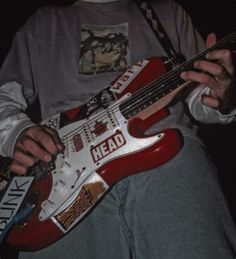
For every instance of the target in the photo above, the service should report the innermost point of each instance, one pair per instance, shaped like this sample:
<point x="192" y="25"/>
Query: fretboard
<point x="170" y="81"/>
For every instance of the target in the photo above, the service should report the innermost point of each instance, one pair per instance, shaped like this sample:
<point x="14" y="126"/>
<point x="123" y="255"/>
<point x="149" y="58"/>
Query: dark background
<point x="208" y="15"/>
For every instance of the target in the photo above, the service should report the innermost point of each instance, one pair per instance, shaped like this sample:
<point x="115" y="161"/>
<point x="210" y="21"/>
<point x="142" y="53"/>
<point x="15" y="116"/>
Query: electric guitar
<point x="104" y="141"/>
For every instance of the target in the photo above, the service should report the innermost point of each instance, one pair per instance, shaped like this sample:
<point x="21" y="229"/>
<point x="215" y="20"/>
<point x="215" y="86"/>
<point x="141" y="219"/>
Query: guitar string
<point x="136" y="97"/>
<point x="137" y="102"/>
<point x="166" y="78"/>
<point x="175" y="72"/>
<point x="165" y="82"/>
<point x="169" y="76"/>
<point x="182" y="66"/>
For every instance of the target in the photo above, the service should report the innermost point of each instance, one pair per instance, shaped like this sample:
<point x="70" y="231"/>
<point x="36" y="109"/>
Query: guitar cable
<point x="20" y="216"/>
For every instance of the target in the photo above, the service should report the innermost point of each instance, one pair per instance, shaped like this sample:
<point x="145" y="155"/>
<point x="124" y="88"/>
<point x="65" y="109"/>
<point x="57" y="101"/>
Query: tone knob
<point x="60" y="186"/>
<point x="66" y="168"/>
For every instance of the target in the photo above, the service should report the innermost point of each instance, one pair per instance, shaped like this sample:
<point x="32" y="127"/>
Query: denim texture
<point x="176" y="211"/>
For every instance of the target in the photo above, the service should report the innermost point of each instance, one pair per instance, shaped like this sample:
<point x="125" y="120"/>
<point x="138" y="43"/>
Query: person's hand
<point x="34" y="144"/>
<point x="218" y="74"/>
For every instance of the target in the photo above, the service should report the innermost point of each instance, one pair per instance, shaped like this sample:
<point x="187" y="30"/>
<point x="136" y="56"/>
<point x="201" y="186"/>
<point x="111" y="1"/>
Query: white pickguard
<point x="79" y="162"/>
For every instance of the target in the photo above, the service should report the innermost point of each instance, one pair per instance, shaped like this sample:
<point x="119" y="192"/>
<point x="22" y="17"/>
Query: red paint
<point x="72" y="113"/>
<point x="36" y="235"/>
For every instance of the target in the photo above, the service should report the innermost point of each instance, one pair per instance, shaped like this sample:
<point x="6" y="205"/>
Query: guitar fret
<point x="169" y="82"/>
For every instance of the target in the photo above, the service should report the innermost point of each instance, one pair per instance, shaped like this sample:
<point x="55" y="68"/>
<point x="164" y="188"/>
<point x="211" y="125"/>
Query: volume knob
<point x="66" y="168"/>
<point x="60" y="186"/>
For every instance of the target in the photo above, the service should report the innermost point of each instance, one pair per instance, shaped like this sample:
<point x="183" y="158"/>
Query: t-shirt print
<point x="104" y="48"/>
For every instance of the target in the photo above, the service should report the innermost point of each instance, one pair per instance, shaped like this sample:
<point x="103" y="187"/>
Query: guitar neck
<point x="169" y="82"/>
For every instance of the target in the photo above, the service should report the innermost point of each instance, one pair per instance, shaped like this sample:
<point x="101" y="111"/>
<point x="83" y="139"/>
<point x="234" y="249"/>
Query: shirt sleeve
<point x="191" y="44"/>
<point x="204" y="113"/>
<point x="13" y="119"/>
<point x="16" y="92"/>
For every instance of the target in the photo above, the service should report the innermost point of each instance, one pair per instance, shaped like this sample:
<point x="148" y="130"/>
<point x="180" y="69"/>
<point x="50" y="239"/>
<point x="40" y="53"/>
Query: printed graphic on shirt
<point x="104" y="48"/>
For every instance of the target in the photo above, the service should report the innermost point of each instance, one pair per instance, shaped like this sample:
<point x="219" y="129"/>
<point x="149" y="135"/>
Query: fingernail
<point x="60" y="147"/>
<point x="47" y="158"/>
<point x="196" y="63"/>
<point x="207" y="56"/>
<point x="183" y="75"/>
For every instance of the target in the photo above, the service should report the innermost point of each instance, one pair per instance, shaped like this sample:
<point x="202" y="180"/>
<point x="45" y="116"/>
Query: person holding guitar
<point x="65" y="56"/>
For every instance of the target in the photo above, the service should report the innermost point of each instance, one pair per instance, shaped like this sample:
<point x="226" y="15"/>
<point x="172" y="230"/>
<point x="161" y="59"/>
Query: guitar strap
<point x="156" y="26"/>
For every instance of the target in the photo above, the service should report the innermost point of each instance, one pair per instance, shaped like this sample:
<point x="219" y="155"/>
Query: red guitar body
<point x="114" y="146"/>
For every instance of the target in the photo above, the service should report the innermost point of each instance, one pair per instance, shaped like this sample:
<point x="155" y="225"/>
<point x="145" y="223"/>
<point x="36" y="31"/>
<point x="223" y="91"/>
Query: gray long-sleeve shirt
<point x="66" y="55"/>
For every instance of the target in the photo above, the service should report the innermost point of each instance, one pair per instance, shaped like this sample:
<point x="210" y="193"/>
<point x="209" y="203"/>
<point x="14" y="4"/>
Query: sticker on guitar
<point x="105" y="141"/>
<point x="107" y="146"/>
<point x="87" y="197"/>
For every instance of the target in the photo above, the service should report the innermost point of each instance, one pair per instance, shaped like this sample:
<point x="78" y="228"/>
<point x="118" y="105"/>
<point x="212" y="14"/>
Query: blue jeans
<point x="176" y="211"/>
